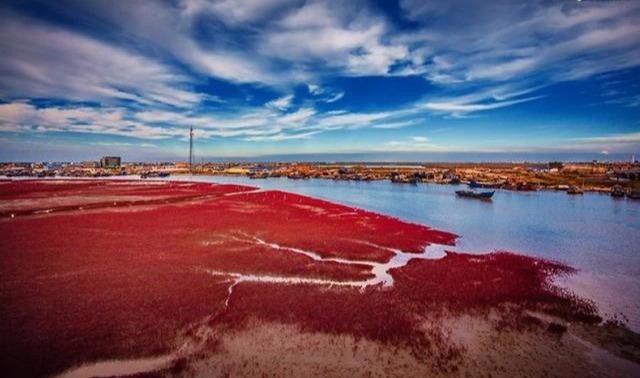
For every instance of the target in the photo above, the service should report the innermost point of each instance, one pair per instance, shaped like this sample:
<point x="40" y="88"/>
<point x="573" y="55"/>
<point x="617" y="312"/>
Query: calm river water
<point x="595" y="233"/>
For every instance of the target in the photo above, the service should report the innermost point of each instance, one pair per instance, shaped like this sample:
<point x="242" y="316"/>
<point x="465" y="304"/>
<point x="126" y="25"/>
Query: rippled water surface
<point x="593" y="232"/>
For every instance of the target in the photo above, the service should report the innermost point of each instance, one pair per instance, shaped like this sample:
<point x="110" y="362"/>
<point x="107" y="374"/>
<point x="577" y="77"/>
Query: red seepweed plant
<point x="92" y="280"/>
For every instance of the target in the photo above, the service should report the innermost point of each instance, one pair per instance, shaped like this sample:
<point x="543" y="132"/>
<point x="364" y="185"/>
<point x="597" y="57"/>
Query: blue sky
<point x="280" y="79"/>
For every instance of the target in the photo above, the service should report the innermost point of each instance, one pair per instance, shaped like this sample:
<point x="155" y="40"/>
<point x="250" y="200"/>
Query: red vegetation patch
<point x="55" y="322"/>
<point x="78" y="286"/>
<point x="247" y="258"/>
<point x="27" y="197"/>
<point x="464" y="281"/>
<point x="329" y="229"/>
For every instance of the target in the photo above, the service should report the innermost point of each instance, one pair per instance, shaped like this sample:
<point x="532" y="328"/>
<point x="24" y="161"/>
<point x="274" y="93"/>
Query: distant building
<point x="110" y="162"/>
<point x="557" y="165"/>
<point x="90" y="164"/>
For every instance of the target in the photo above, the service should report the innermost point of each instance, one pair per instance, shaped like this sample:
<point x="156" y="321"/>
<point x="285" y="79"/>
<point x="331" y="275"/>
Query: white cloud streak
<point x="43" y="61"/>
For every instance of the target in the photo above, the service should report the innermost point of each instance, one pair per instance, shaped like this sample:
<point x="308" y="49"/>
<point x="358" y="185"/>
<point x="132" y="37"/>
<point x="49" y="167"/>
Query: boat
<point x="634" y="194"/>
<point x="404" y="180"/>
<point x="525" y="186"/>
<point x="258" y="175"/>
<point x="477" y="195"/>
<point x="473" y="184"/>
<point x="617" y="191"/>
<point x="574" y="190"/>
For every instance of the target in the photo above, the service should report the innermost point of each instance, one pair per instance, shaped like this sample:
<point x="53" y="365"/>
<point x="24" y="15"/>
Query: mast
<point x="190" y="150"/>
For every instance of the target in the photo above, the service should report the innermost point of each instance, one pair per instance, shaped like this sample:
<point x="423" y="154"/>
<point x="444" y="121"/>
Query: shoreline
<point x="601" y="190"/>
<point x="407" y="175"/>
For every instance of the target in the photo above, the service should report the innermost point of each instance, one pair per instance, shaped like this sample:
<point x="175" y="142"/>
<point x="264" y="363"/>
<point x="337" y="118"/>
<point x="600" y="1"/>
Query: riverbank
<point x="125" y="270"/>
<point x="617" y="178"/>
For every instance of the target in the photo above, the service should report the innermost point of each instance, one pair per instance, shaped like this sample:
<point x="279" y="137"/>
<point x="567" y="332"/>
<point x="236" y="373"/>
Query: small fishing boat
<point x="617" y="191"/>
<point x="473" y="184"/>
<point x="401" y="179"/>
<point x="151" y="174"/>
<point x="574" y="190"/>
<point x="297" y="176"/>
<point x="477" y="195"/>
<point x="258" y="175"/>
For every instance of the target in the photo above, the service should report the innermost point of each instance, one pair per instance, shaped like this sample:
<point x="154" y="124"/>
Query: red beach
<point x="100" y="270"/>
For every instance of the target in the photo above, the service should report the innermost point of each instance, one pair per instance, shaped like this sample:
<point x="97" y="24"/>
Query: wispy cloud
<point x="417" y="143"/>
<point x="395" y="125"/>
<point x="456" y="107"/>
<point x="324" y="94"/>
<point x="633" y="137"/>
<point x="252" y="124"/>
<point x="45" y="61"/>
<point x="282" y="136"/>
<point x="124" y="144"/>
<point x="286" y="70"/>
<point x="281" y="103"/>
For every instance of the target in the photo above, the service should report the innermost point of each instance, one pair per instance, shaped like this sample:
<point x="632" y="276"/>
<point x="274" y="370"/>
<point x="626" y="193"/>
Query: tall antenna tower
<point x="190" y="150"/>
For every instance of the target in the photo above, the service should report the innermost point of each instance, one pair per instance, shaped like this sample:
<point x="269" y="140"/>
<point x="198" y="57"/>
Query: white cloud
<point x="505" y="41"/>
<point x="281" y="136"/>
<point x="257" y="123"/>
<point x="633" y="137"/>
<point x="42" y="61"/>
<point x="460" y="107"/>
<point x="167" y="29"/>
<point x="340" y="36"/>
<point x="394" y="125"/>
<point x="335" y="97"/>
<point x="21" y="117"/>
<point x="124" y="144"/>
<point x="314" y="89"/>
<point x="298" y="116"/>
<point x="351" y="120"/>
<point x="153" y="56"/>
<point x="415" y="143"/>
<point x="233" y="12"/>
<point x="281" y="103"/>
<point x="327" y="95"/>
<point x="279" y="42"/>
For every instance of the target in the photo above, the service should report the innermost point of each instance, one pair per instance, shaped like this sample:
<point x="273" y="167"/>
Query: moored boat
<point x="617" y="191"/>
<point x="151" y="174"/>
<point x="473" y="184"/>
<point x="574" y="190"/>
<point x="477" y="195"/>
<point x="297" y="176"/>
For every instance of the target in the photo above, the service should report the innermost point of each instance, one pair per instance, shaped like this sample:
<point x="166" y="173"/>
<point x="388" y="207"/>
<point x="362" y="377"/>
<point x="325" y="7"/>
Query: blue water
<point x="593" y="232"/>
